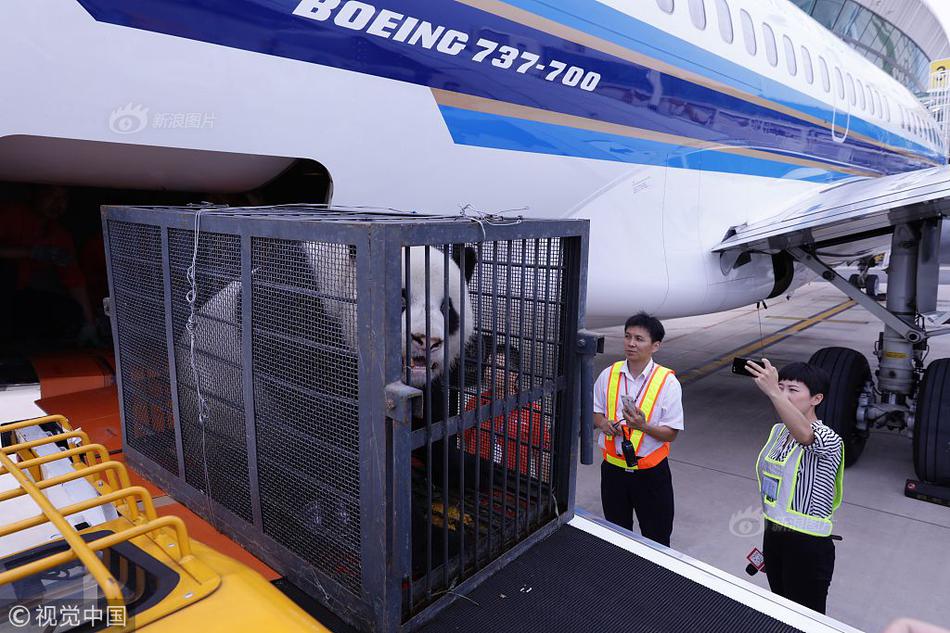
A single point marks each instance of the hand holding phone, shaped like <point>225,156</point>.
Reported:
<point>739,365</point>
<point>639,418</point>
<point>629,402</point>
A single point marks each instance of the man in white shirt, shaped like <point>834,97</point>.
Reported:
<point>639,401</point>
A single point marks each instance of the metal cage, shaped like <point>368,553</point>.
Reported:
<point>382,406</point>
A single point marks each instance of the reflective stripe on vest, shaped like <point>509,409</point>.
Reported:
<point>647,404</point>
<point>778,480</point>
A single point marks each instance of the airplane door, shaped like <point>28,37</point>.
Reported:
<point>843,94</point>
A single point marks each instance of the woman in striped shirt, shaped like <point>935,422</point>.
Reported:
<point>800,473</point>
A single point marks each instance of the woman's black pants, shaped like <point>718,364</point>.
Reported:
<point>799,566</point>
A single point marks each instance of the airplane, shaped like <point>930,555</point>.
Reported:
<point>724,151</point>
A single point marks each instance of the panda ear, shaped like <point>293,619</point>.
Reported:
<point>471,258</point>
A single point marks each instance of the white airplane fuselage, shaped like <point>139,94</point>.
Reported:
<point>664,135</point>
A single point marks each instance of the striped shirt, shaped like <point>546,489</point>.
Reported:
<point>815,488</point>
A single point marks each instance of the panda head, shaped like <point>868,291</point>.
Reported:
<point>446,326</point>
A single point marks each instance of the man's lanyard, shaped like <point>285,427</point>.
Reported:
<point>646,379</point>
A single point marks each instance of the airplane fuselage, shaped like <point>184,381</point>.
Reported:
<point>662,133</point>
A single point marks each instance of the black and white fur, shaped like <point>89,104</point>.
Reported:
<point>445,325</point>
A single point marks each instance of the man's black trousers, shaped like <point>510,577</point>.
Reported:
<point>799,566</point>
<point>648,492</point>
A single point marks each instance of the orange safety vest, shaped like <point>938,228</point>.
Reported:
<point>647,403</point>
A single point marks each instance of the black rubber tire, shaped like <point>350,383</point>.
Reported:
<point>855,280</point>
<point>849,371</point>
<point>932,427</point>
<point>870,286</point>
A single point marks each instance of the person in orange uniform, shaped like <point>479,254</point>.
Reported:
<point>524,426</point>
<point>49,297</point>
<point>638,407</point>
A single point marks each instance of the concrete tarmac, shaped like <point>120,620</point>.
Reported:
<point>894,559</point>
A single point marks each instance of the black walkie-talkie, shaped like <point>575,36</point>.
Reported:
<point>629,453</point>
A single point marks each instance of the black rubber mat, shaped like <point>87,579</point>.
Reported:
<point>574,582</point>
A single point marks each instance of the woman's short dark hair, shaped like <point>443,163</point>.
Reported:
<point>815,378</point>
<point>649,323</point>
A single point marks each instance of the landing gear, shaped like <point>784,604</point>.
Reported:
<point>866,281</point>
<point>898,398</point>
<point>850,377</point>
<point>932,427</point>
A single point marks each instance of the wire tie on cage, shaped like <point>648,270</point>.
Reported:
<point>191,325</point>
<point>469,212</point>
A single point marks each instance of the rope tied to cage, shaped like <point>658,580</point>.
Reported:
<point>191,325</point>
<point>469,212</point>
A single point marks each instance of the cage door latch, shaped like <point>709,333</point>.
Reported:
<point>399,397</point>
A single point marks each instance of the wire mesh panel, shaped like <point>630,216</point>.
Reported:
<point>380,405</point>
<point>213,355</point>
<point>307,401</point>
<point>138,295</point>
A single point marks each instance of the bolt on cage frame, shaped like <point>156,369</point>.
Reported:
<point>110,478</point>
<point>378,585</point>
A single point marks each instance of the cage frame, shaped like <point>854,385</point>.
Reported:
<point>379,237</point>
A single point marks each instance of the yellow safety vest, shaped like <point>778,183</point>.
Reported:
<point>647,404</point>
<point>778,480</point>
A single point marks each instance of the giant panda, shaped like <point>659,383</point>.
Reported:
<point>328,268</point>
<point>445,325</point>
<point>217,320</point>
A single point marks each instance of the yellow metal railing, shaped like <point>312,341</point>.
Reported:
<point>112,479</point>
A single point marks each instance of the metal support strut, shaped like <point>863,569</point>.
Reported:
<point>908,331</point>
<point>902,344</point>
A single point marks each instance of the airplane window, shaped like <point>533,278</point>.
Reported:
<point>806,64</point>
<point>877,103</point>
<point>697,12</point>
<point>839,82</point>
<point>825,81</point>
<point>790,56</point>
<point>887,108</point>
<point>850,86</point>
<point>862,102</point>
<point>666,5</point>
<point>725,21</point>
<point>870,99</point>
<point>748,32</point>
<point>770,50</point>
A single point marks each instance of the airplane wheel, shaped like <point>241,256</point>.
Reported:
<point>855,280</point>
<point>849,371</point>
<point>932,427</point>
<point>870,286</point>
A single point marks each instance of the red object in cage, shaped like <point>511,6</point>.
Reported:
<point>525,425</point>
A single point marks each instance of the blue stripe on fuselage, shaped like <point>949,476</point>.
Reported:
<point>509,133</point>
<point>622,97</point>
<point>619,28</point>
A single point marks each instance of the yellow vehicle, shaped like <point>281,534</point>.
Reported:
<point>137,570</point>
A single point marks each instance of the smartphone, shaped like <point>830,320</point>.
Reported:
<point>629,402</point>
<point>739,363</point>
